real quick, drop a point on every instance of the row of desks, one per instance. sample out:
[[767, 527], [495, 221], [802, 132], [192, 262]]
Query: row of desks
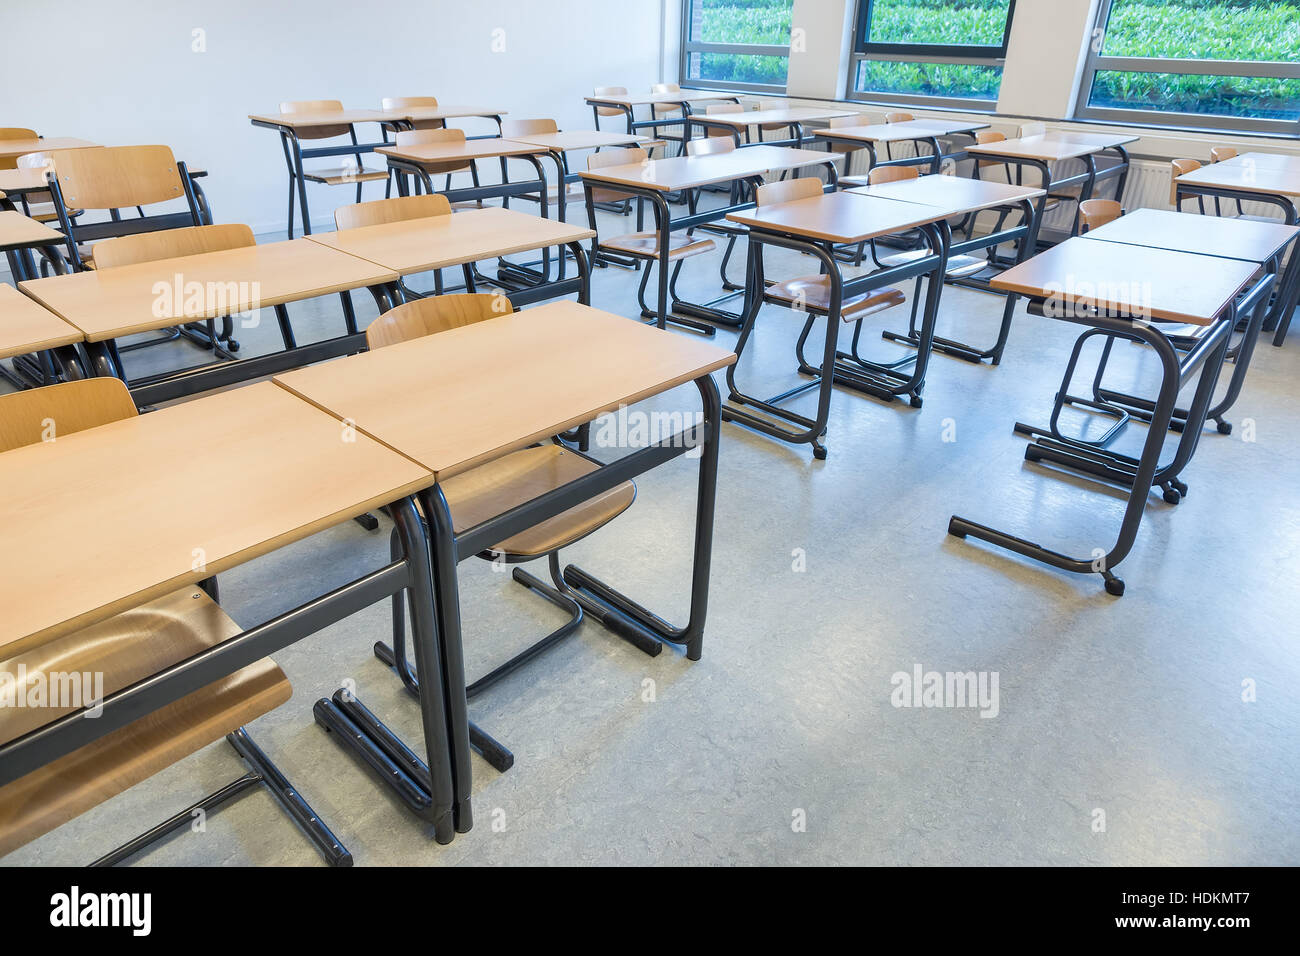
[[71, 510]]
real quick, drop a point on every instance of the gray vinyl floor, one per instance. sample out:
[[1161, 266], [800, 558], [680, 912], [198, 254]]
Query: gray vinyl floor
[[1158, 728]]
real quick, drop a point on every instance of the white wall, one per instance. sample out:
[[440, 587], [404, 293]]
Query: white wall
[[137, 80]]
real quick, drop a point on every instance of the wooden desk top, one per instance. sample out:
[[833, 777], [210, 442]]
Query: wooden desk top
[[19, 232], [584, 139], [15, 182], [839, 217], [418, 245], [1158, 284], [463, 397], [687, 172], [793, 114], [19, 147], [336, 118], [1271, 179], [898, 132], [442, 112], [100, 521], [1265, 160], [1100, 140], [108, 303], [26, 327], [1046, 148], [467, 150], [1204, 235], [956, 193], [648, 99]]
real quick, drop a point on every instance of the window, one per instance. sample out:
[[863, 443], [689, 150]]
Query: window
[[936, 52], [1232, 64], [736, 44]]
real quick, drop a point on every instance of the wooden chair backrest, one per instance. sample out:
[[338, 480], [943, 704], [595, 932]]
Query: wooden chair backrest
[[406, 102], [1032, 129], [788, 190], [990, 136], [1178, 167], [609, 91], [714, 109], [433, 314], [398, 209], [413, 137], [14, 132], [709, 145], [525, 126], [617, 157], [317, 106], [117, 177], [664, 109], [171, 244], [55, 411], [1095, 213], [1219, 153], [899, 116], [892, 174]]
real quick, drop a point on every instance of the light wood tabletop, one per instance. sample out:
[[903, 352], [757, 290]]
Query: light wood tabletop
[[1138, 281], [1265, 160], [839, 217], [898, 132], [306, 120], [584, 139], [442, 112], [18, 147], [97, 522], [1100, 140], [649, 99], [511, 380], [108, 303], [26, 327], [1044, 148], [418, 245], [466, 150], [956, 193], [15, 182], [1219, 236], [793, 114], [1275, 180], [687, 172], [19, 232]]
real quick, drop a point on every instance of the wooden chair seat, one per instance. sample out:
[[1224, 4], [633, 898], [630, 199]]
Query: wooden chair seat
[[645, 245], [126, 649], [342, 175], [814, 293], [45, 212], [500, 485]]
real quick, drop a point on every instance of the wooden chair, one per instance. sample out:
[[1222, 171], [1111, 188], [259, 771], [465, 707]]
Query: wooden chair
[[667, 111], [14, 133], [392, 103], [845, 150], [1031, 129], [126, 649], [642, 246], [899, 116], [398, 209], [598, 111], [1095, 213], [440, 134], [504, 483], [335, 175], [811, 293], [559, 193], [1220, 153], [712, 146], [1179, 167], [892, 174]]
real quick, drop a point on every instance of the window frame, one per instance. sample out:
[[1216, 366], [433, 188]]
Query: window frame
[[1096, 62], [965, 54], [689, 46]]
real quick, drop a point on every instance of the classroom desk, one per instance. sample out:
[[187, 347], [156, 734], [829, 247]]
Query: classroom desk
[[106, 304], [17, 182], [1262, 243], [627, 103], [912, 131], [19, 236], [77, 545], [408, 116], [815, 227], [1040, 152], [11, 149], [1265, 160], [967, 198], [414, 160], [792, 118], [464, 238], [655, 179], [291, 125], [1127, 291], [567, 364], [27, 329]]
